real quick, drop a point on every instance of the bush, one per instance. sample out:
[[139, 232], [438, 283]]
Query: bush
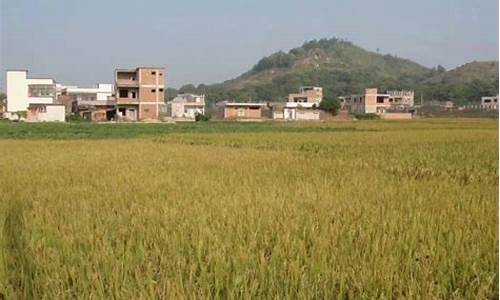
[[202, 117], [330, 105], [367, 117], [76, 118]]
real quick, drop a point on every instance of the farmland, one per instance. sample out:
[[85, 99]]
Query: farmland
[[366, 209]]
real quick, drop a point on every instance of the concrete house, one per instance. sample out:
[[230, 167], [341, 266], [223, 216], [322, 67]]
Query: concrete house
[[186, 106], [301, 106], [139, 93], [243, 111], [373, 102], [23, 91], [489, 103], [95, 103]]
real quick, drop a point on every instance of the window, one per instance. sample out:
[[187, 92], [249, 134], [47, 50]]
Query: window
[[133, 95], [146, 110], [123, 93], [153, 91], [153, 73], [160, 90], [41, 90], [380, 99], [161, 74]]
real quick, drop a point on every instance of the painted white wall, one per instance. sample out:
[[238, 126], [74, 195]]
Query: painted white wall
[[307, 114], [53, 113], [102, 91], [17, 91]]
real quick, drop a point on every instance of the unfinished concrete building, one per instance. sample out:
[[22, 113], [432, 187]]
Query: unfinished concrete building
[[139, 93], [373, 102], [307, 94]]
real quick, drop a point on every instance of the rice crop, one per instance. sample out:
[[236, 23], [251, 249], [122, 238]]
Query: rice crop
[[354, 210]]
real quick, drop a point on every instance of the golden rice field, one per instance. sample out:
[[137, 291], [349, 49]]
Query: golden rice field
[[355, 210]]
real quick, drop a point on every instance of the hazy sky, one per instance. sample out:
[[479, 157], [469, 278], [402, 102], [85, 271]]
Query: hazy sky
[[83, 41]]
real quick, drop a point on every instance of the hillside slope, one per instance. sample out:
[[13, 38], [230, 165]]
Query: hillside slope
[[341, 67]]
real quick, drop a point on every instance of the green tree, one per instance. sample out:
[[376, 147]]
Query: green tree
[[330, 104], [3, 101]]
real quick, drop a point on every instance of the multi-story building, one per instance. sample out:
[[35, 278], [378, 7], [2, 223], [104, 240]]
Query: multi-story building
[[186, 106], [301, 106], [373, 102], [22, 90], [404, 98], [307, 94], [139, 93], [96, 103]]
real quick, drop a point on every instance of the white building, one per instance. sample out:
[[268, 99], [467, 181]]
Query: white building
[[42, 112], [301, 107], [489, 103], [300, 111], [23, 91], [100, 92], [186, 106]]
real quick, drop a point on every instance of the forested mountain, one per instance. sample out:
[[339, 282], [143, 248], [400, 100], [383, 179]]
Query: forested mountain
[[341, 67]]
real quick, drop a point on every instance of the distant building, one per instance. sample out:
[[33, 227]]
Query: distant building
[[95, 103], [243, 111], [45, 112], [402, 98], [307, 94], [23, 91], [373, 102], [186, 106], [301, 106], [489, 103], [139, 93]]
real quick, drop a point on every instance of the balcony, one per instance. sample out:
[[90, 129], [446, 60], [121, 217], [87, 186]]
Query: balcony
[[127, 83]]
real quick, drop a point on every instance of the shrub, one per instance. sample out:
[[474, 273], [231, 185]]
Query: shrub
[[367, 117], [202, 117]]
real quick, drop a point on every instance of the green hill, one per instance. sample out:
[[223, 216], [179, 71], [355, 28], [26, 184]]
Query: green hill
[[465, 84], [341, 67]]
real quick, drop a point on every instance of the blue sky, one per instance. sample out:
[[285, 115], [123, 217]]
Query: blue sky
[[82, 42]]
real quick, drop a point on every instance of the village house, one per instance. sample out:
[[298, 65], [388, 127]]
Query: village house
[[95, 103], [186, 106], [489, 103], [139, 93], [301, 106], [243, 110], [392, 104], [23, 92]]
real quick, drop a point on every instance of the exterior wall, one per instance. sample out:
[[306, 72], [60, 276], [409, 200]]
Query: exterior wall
[[52, 113], [396, 116], [147, 94], [69, 103], [307, 114], [403, 97], [235, 112], [17, 91], [149, 85], [370, 101], [489, 103], [300, 114], [148, 111], [278, 114]]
